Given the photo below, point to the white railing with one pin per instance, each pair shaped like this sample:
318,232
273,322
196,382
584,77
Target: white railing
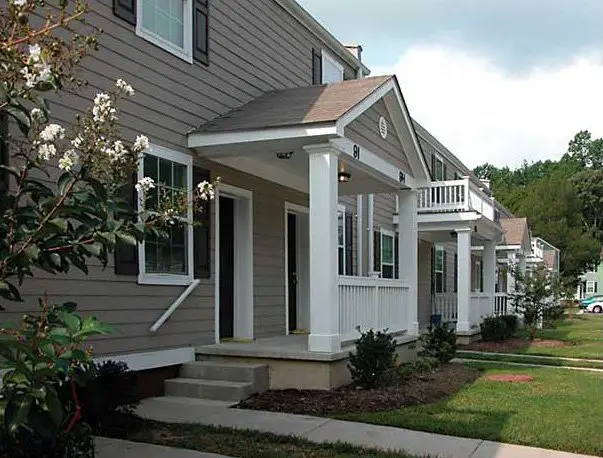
455,195
445,304
501,304
482,305
371,303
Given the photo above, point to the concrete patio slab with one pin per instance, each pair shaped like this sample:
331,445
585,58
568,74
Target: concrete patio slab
113,448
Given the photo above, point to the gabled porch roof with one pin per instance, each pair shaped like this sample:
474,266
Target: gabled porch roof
289,120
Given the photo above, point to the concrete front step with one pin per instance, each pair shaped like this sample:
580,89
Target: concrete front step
233,372
220,390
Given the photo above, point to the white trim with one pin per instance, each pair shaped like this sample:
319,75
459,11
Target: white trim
328,58
295,209
439,248
243,265
440,159
590,284
341,210
153,359
359,235
206,139
365,105
186,52
168,313
169,279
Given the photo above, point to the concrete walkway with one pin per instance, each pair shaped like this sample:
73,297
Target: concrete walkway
113,448
324,430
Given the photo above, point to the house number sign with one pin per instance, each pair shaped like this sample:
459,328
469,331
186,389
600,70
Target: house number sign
356,152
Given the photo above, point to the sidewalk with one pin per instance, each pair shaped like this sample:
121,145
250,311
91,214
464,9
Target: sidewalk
324,430
112,448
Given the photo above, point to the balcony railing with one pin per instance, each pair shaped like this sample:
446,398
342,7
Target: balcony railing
455,196
371,303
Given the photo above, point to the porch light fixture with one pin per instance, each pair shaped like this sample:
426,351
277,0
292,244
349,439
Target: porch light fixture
343,176
284,155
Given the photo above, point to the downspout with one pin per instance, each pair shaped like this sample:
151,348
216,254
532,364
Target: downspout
168,313
359,234
371,236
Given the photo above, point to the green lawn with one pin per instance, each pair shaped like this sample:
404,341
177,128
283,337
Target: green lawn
561,409
584,333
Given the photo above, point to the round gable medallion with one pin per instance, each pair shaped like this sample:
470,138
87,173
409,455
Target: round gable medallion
383,127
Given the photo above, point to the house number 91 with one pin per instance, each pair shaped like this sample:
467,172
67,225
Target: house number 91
356,152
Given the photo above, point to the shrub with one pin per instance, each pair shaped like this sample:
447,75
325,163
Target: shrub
553,314
494,329
512,323
113,389
375,358
439,343
420,366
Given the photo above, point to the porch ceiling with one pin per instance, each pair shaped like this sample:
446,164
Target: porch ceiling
442,227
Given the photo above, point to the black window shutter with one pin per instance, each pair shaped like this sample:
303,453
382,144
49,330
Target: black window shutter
126,10
396,256
349,245
433,167
4,176
201,31
481,276
445,171
456,273
445,274
316,68
126,255
377,251
202,230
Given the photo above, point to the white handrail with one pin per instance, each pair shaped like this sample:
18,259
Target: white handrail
168,313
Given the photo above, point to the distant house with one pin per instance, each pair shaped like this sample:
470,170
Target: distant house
591,283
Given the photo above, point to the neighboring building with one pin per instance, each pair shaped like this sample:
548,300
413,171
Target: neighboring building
544,254
591,283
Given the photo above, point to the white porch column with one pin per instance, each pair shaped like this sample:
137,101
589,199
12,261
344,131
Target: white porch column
490,273
464,280
324,303
408,254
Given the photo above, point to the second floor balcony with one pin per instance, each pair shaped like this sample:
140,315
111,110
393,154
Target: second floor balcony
456,196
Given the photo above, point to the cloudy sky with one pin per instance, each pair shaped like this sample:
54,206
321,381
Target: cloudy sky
496,81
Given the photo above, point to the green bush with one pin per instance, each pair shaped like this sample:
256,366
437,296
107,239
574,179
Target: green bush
512,323
374,360
439,343
494,329
113,389
420,366
552,315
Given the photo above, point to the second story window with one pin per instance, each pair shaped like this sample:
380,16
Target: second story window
332,70
438,168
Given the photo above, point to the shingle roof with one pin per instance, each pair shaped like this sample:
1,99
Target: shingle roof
514,230
304,105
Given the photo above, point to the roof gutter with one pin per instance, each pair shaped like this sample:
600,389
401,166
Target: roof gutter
304,18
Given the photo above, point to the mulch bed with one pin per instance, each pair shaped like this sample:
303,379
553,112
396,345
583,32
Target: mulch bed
418,389
514,378
513,345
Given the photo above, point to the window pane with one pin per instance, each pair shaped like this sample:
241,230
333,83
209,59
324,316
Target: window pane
179,176
387,272
439,261
387,249
439,282
340,229
165,18
165,172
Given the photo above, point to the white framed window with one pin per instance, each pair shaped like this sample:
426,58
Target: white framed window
332,70
341,257
439,269
161,261
591,287
477,280
167,24
439,171
387,254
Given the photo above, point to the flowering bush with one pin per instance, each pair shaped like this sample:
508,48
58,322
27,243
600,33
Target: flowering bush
63,207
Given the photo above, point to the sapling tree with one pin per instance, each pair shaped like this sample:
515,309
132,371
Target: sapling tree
61,205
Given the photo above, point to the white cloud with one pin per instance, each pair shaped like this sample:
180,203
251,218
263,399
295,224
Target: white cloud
483,114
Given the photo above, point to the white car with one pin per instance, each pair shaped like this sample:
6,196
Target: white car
595,307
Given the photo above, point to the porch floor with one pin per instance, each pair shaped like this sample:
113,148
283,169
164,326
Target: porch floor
292,347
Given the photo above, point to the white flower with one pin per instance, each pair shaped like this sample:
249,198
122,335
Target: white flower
206,191
141,144
37,114
68,160
30,78
144,185
35,53
124,87
52,132
45,72
77,142
103,109
47,151
19,3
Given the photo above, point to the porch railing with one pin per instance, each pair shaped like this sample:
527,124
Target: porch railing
455,195
501,304
371,303
445,305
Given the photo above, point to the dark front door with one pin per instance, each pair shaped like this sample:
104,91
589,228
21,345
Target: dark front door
226,267
292,269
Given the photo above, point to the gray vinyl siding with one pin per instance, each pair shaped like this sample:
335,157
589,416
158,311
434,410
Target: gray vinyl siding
384,209
365,130
254,47
429,151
